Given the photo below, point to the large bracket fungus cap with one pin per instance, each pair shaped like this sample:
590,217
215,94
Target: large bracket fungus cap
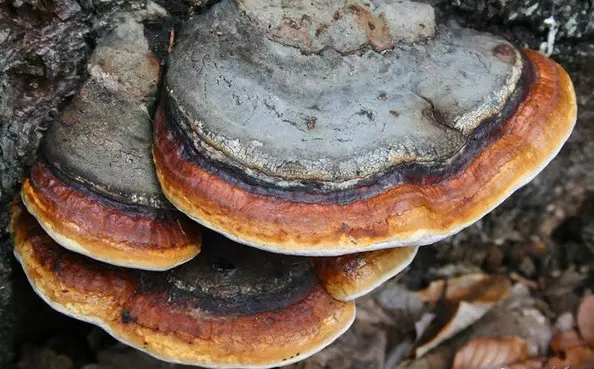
93,187
232,307
320,129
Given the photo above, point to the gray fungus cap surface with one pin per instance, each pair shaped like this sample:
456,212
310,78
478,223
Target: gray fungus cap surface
103,138
288,97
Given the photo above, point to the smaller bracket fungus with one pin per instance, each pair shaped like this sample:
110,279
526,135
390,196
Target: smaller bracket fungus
351,276
329,128
232,307
93,187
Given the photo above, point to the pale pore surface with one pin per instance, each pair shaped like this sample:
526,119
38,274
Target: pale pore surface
271,109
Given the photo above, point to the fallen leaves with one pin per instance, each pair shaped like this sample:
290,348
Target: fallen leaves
576,358
471,287
489,353
462,301
451,323
570,348
585,320
508,331
564,341
574,348
528,364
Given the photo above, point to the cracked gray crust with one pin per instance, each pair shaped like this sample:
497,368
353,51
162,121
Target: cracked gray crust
283,116
342,25
103,138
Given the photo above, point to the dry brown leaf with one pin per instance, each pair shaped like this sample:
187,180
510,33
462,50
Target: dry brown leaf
467,299
431,361
525,281
565,341
490,353
528,364
570,351
585,320
434,292
444,328
471,287
581,357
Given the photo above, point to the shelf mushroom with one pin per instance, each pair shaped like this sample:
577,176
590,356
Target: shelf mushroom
351,276
347,134
93,187
232,307
84,187
329,128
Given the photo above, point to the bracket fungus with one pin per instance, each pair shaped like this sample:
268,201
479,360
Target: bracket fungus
330,128
354,275
231,306
93,191
347,133
228,307
93,187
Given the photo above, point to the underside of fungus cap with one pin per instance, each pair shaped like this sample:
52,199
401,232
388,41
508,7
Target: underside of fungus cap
337,127
232,307
93,187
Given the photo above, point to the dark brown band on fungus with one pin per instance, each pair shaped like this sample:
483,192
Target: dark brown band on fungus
104,229
180,329
407,214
